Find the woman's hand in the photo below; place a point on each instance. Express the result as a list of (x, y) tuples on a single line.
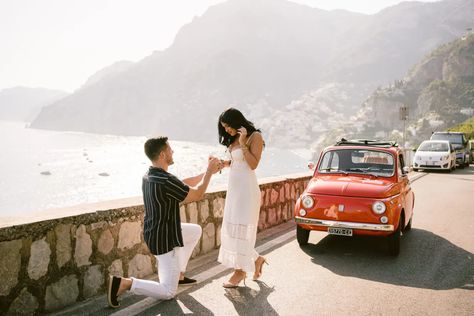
[(243, 135)]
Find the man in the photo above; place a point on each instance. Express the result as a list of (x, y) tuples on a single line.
[(171, 241)]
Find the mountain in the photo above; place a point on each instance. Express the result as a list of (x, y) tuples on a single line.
[(107, 72), (259, 56), (438, 92), (23, 104)]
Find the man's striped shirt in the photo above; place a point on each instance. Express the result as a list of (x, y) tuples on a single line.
[(162, 193)]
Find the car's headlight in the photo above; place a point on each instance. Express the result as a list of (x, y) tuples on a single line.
[(307, 202), (378, 207)]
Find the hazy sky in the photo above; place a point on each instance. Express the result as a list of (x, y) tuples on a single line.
[(58, 44)]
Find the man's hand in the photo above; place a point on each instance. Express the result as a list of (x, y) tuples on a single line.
[(213, 165)]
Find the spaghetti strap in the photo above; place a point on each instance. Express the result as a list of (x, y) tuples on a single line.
[(248, 139)]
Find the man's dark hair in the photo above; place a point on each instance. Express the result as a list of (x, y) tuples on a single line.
[(154, 146)]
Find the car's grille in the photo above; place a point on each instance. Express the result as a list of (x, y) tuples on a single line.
[(430, 166)]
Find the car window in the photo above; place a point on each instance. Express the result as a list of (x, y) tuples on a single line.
[(433, 146), (378, 163)]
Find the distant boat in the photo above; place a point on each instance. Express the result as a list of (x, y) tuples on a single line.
[(45, 173)]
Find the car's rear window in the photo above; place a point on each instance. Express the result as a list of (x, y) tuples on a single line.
[(433, 146), (373, 162)]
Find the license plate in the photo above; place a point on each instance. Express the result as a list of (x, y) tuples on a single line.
[(340, 231)]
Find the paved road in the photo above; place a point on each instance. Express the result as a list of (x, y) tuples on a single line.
[(433, 275)]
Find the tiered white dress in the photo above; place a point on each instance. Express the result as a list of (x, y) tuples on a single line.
[(241, 214)]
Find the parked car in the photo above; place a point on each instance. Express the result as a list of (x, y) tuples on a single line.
[(435, 155), (359, 187), (471, 150), (460, 145)]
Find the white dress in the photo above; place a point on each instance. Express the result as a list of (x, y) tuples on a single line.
[(241, 214)]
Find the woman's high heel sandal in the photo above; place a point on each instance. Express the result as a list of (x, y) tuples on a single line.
[(258, 267), (232, 284)]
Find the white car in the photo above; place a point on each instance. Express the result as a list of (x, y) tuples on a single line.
[(435, 155)]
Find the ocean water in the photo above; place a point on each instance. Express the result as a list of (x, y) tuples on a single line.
[(41, 170)]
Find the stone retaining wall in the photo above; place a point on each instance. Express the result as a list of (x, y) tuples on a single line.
[(47, 265)]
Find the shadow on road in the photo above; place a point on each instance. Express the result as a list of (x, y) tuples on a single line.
[(426, 260), (248, 301), (458, 171)]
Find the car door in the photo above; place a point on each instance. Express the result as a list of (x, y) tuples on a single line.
[(407, 195)]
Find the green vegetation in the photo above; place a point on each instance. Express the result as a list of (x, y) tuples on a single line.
[(466, 127)]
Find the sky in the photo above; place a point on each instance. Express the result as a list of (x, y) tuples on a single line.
[(58, 44)]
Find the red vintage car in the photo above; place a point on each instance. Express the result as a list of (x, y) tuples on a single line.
[(359, 187)]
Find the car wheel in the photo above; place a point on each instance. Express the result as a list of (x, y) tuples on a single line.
[(302, 235), (394, 240), (408, 227), (415, 169)]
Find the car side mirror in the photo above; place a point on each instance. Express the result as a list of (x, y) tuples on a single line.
[(311, 165)]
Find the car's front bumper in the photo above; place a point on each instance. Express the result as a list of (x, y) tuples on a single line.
[(351, 225)]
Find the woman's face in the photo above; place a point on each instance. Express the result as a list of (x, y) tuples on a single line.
[(229, 130)]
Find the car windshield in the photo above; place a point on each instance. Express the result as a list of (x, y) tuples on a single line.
[(453, 138), (434, 146), (376, 163)]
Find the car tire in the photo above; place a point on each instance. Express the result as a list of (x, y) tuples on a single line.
[(394, 240), (415, 169), (408, 226), (302, 235)]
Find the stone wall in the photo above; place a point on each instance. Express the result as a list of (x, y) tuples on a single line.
[(47, 265)]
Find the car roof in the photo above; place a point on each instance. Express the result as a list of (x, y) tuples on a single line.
[(389, 146)]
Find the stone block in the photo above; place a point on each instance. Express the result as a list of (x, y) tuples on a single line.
[(218, 207), (274, 196), (140, 266), (10, 263), (262, 220), (63, 244), (293, 192), (204, 211), (267, 197), (262, 197), (192, 212), (182, 214), (272, 217), (106, 242), (116, 268), (24, 304), (40, 256), (282, 194), (208, 238), (129, 235), (278, 214), (83, 249), (287, 191), (93, 280), (98, 225), (62, 293), (218, 236)]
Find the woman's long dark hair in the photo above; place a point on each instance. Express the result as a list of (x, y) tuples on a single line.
[(235, 119)]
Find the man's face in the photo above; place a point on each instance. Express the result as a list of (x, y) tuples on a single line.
[(168, 154)]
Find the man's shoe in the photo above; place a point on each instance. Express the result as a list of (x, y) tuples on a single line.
[(187, 281), (112, 296)]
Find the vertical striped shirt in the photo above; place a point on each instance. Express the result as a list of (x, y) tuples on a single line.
[(162, 193)]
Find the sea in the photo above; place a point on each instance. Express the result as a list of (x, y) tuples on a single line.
[(42, 169)]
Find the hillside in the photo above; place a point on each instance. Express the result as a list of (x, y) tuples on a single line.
[(438, 91), (259, 56)]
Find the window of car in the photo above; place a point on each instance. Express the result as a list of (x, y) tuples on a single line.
[(434, 146), (378, 163)]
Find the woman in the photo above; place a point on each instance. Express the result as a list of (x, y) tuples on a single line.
[(242, 206)]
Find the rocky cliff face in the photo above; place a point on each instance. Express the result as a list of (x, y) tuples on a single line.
[(438, 91), (259, 56)]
